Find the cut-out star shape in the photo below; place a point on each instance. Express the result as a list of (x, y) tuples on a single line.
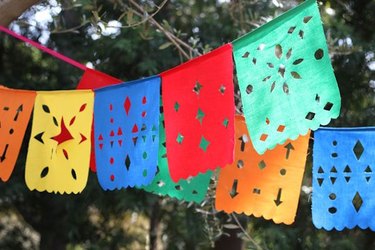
[(64, 135)]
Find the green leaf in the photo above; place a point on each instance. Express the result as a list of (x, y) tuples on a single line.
[(165, 45)]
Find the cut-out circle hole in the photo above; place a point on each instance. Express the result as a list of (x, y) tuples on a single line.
[(240, 164), (249, 89), (332, 196), (283, 171), (334, 143), (332, 210), (178, 187), (319, 53), (144, 173), (222, 89), (334, 155), (11, 131), (112, 177)]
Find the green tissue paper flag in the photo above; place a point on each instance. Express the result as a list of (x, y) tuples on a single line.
[(286, 78), (191, 189)]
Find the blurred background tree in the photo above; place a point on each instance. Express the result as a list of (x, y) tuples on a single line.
[(132, 39)]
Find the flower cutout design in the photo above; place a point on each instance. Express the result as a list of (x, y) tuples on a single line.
[(283, 65)]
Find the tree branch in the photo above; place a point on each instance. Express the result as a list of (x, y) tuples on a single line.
[(10, 10)]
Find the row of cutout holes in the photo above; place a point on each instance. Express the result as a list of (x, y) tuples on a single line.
[(358, 149), (356, 201)]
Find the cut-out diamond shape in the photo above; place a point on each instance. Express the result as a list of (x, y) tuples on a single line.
[(197, 88), (127, 105), (176, 106), (263, 137), (180, 138), (200, 116), (261, 164), (357, 202), (127, 162), (204, 144), (310, 116), (328, 106), (225, 122), (281, 128), (358, 149)]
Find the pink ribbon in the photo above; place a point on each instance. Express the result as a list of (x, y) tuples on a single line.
[(43, 48)]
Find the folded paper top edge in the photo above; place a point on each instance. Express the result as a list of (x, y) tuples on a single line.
[(370, 128), (125, 84), (198, 59)]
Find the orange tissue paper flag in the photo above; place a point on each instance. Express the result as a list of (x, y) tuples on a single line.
[(199, 114), (265, 185), (15, 110), (93, 79), (59, 148)]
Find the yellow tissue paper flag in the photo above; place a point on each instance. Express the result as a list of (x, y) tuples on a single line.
[(59, 148)]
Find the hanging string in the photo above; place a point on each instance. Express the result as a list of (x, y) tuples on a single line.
[(43, 48)]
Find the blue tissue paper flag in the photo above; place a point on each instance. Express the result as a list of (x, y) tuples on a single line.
[(343, 178), (127, 133)]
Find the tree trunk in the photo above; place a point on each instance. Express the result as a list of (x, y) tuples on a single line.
[(154, 232), (10, 10)]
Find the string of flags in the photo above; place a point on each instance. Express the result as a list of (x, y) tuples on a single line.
[(171, 142)]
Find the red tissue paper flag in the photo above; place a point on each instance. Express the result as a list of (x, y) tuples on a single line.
[(93, 79), (198, 99)]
